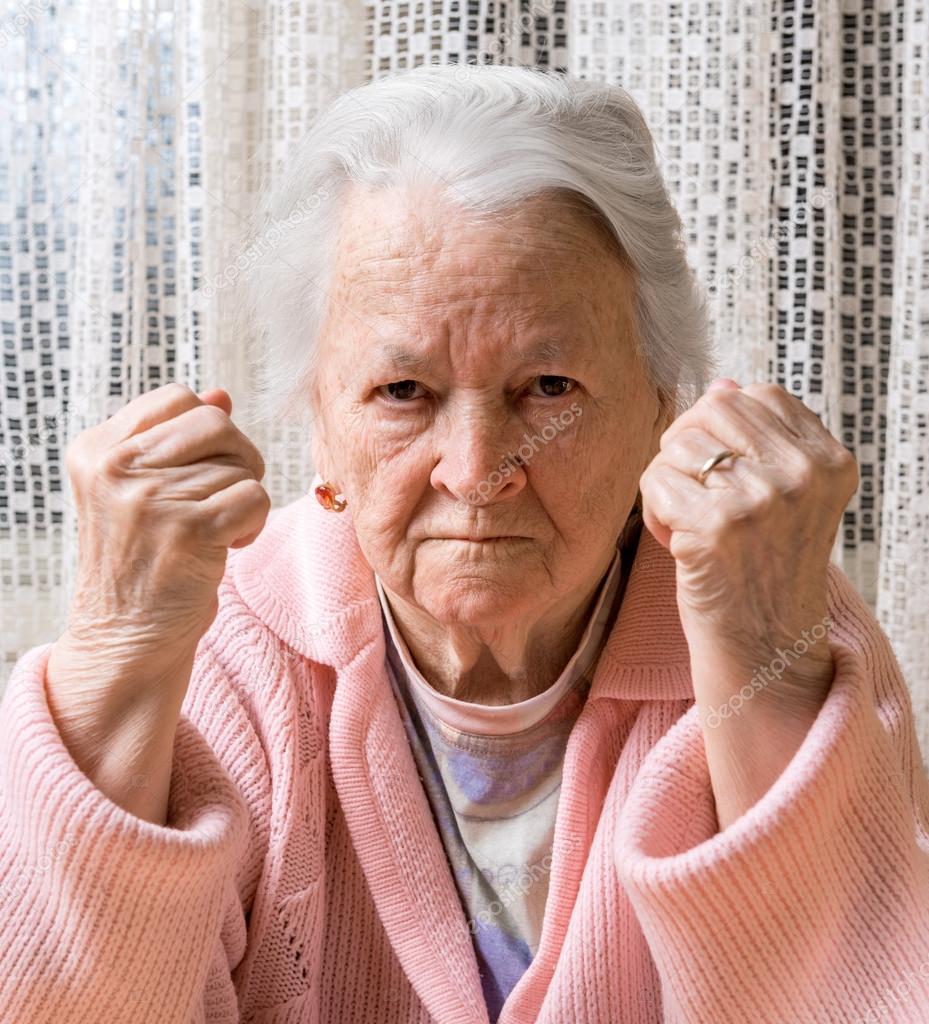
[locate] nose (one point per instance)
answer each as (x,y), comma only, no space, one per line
(476,466)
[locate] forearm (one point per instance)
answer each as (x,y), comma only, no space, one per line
(746,755)
(752,730)
(125,750)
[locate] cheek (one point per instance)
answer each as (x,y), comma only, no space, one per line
(586,442)
(388,478)
(384,464)
(362,449)
(376,437)
(589,473)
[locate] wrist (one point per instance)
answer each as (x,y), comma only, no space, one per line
(103,686)
(778,684)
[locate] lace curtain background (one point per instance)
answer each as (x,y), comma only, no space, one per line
(134,136)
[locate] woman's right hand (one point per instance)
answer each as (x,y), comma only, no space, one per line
(163,489)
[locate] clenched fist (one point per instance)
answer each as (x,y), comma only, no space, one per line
(163,489)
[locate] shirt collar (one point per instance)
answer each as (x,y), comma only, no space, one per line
(509,718)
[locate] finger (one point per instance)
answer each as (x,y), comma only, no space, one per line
(670,499)
(689,451)
(798,416)
(677,503)
(197,481)
(218,397)
(237,512)
(715,383)
(198,434)
(152,407)
(722,382)
(741,423)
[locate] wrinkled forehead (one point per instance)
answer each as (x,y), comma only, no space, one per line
(550,251)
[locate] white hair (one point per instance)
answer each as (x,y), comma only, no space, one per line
(488,136)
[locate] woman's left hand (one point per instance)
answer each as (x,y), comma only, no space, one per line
(753,541)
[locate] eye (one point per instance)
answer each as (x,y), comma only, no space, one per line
(401,390)
(552,387)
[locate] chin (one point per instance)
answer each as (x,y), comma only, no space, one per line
(479,593)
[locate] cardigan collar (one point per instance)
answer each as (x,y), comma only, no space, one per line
(306,578)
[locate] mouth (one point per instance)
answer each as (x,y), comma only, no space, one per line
(482,540)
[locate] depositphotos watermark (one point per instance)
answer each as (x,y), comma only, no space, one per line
(263,244)
(766,674)
(512,460)
(899,993)
(765,247)
(17,23)
(19,885)
(512,892)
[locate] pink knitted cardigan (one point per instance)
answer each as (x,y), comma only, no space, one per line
(301,879)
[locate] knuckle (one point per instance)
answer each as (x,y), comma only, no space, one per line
(217,419)
(651,481)
(256,492)
(793,490)
(672,444)
(114,462)
(845,462)
(669,432)
(718,398)
(199,519)
(749,512)
(752,514)
(765,388)
(177,389)
(800,481)
(144,490)
(76,456)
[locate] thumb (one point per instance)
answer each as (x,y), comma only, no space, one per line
(218,397)
(723,382)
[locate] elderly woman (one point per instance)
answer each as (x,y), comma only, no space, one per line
(544,705)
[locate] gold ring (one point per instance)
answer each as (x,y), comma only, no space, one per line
(713,461)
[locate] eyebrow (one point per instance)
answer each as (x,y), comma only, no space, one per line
(407,361)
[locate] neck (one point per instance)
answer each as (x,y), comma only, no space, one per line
(500,663)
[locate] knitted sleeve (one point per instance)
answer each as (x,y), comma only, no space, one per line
(105,916)
(813,905)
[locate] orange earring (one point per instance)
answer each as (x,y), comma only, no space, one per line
(325,495)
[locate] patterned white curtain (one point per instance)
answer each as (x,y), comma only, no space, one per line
(134,135)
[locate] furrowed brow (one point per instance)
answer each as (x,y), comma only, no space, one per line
(406,361)
(546,351)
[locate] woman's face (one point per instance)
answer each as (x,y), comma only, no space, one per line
(450,347)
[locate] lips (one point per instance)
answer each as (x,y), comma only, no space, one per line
(478,540)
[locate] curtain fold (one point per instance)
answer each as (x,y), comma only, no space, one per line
(134,138)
